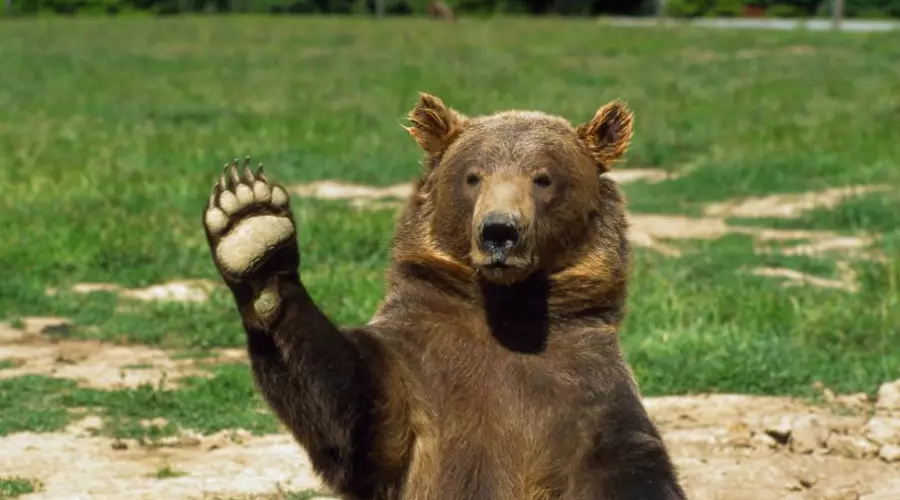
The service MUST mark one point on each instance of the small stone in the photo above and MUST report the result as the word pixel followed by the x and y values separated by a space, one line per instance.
pixel 806 482
pixel 808 434
pixel 741 442
pixel 802 483
pixel 883 430
pixel 889 453
pixel 889 397
pixel 841 494
pixel 851 446
pixel 239 436
pixel 780 429
pixel 855 401
pixel 761 440
pixel 169 441
pixel 190 438
pixel 119 445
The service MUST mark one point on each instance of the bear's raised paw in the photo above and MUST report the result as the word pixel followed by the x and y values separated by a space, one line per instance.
pixel 248 221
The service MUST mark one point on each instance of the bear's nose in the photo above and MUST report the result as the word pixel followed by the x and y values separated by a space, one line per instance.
pixel 498 231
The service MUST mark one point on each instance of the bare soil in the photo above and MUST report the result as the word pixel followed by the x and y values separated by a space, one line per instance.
pixel 95 364
pixel 721 444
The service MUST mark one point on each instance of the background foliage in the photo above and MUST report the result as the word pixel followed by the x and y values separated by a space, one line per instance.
pixel 677 8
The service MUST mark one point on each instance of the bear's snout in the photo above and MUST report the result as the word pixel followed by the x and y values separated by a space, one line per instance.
pixel 498 233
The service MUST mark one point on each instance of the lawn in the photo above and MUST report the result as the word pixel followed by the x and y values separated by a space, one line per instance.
pixel 113 131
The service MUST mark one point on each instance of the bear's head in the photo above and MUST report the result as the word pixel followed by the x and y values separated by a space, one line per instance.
pixel 515 193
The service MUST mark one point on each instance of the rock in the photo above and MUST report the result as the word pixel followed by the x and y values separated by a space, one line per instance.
pixel 851 446
pixel 780 429
pixel 889 453
pixel 185 439
pixel 191 438
pixel 855 401
pixel 883 430
pixel 889 397
pixel 119 445
pixel 88 426
pixel 761 440
pixel 841 494
pixel 808 434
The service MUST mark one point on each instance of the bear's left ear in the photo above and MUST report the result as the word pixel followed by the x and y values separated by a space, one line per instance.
pixel 608 134
pixel 434 125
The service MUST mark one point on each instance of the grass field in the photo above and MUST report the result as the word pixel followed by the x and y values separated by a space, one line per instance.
pixel 113 131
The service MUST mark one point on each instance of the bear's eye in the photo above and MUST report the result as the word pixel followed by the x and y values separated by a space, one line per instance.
pixel 472 179
pixel 542 180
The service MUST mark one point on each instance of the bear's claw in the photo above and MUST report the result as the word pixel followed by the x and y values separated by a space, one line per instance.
pixel 247 219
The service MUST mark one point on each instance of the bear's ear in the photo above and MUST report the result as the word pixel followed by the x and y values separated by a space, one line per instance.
pixel 608 134
pixel 434 125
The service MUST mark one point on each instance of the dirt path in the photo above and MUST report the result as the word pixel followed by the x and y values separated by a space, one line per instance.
pixel 728 447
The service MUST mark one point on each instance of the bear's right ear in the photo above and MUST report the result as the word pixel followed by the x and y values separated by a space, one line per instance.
pixel 434 125
pixel 608 134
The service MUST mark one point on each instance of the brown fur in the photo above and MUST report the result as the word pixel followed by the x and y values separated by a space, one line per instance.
pixel 477 382
pixel 440 10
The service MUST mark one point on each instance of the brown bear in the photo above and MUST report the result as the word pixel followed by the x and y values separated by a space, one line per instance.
pixel 492 370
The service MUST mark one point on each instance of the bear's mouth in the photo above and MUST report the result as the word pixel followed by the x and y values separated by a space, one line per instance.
pixel 497 259
pixel 498 265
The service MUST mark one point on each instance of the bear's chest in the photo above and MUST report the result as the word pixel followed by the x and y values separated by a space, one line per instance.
pixel 506 423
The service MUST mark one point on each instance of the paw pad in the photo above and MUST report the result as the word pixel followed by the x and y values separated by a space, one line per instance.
pixel 247 218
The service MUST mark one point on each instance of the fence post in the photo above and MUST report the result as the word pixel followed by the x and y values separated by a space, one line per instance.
pixel 837 13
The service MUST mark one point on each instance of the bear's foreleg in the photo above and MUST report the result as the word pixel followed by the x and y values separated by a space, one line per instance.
pixel 630 453
pixel 317 378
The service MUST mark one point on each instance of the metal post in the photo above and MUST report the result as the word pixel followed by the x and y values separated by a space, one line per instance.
pixel 837 14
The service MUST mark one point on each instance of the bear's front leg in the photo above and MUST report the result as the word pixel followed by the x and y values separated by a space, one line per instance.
pixel 319 379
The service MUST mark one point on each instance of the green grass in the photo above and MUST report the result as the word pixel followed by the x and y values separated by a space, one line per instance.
pixel 227 400
pixel 166 472
pixel 12 487
pixel 112 132
pixel 8 363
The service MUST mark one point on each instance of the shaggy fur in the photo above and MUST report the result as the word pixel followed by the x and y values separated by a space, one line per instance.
pixel 492 370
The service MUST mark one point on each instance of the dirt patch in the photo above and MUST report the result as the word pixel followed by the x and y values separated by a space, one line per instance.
pixel 92 363
pixel 732 447
pixel 658 231
pixel 740 447
pixel 173 291
pixel 654 230
pixel 791 277
pixel 788 206
pixel 73 466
